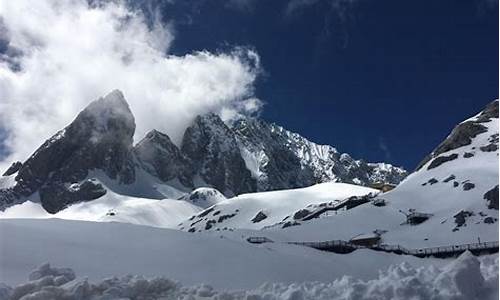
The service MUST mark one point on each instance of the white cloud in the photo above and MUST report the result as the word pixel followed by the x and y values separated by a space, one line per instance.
pixel 74 53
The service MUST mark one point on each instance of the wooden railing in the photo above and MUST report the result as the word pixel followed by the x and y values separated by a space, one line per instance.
pixel 335 206
pixel 340 246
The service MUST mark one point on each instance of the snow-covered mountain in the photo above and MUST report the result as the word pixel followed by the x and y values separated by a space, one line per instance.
pixel 95 155
pixel 451 199
pixel 280 159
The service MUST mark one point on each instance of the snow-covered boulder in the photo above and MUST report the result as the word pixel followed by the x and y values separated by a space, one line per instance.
pixel 204 197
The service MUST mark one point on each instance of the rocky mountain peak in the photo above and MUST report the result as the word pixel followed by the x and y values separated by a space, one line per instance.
pixel 106 117
pixel 212 148
pixel 100 138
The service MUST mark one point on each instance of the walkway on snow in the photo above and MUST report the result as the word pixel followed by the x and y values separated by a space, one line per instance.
pixel 339 246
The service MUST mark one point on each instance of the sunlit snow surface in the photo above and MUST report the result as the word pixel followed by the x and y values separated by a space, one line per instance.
pixel 441 199
pixel 98 251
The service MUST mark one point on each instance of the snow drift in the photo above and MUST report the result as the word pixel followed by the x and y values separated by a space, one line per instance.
pixel 467 278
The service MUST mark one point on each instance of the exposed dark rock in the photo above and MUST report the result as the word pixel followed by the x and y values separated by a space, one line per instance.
pixel 461 217
pixel 489 220
pixel 441 160
pixel 259 217
pixel 192 230
pixel 468 154
pixel 209 224
pixel 489 148
pixel 57 197
pixel 290 224
pixel 13 168
pixel 491 197
pixel 99 138
pixel 491 111
pixel 216 213
pixel 379 202
pixel 455 184
pixel 160 157
pixel 205 212
pixel 463 133
pixel 225 217
pixel 288 160
pixel 449 178
pixel 8 197
pixel 215 155
pixel 195 222
pixel 494 138
pixel 432 181
pixel 468 186
pixel 301 214
pixel 203 197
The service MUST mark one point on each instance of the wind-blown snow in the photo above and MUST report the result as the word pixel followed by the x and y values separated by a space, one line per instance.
pixel 466 278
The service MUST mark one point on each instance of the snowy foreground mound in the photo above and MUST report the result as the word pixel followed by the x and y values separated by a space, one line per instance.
pixel 467 277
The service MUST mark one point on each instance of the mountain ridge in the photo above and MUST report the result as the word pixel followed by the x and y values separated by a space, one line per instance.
pixel 248 155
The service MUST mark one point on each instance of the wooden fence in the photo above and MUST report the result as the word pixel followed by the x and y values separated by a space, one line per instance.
pixel 340 246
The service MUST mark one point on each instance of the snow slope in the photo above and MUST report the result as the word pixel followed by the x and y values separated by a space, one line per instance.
pixel 114 208
pixel 238 212
pixel 428 190
pixel 466 278
pixel 99 250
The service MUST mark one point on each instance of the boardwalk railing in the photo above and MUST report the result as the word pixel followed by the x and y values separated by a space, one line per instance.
pixel 348 203
pixel 340 246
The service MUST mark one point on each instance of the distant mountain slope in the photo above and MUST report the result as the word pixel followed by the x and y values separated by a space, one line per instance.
pixel 258 210
pixel 95 154
pixel 280 159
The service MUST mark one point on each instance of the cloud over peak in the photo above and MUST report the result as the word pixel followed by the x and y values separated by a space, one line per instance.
pixel 69 53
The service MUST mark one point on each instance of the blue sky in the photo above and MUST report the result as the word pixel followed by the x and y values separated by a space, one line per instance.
pixel 382 80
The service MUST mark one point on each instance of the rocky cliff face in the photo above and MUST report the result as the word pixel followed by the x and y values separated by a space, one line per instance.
pixel 163 159
pixel 213 150
pixel 463 134
pixel 99 138
pixel 281 159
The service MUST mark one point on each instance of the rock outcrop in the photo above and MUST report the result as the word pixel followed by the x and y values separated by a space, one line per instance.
pixel 100 138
